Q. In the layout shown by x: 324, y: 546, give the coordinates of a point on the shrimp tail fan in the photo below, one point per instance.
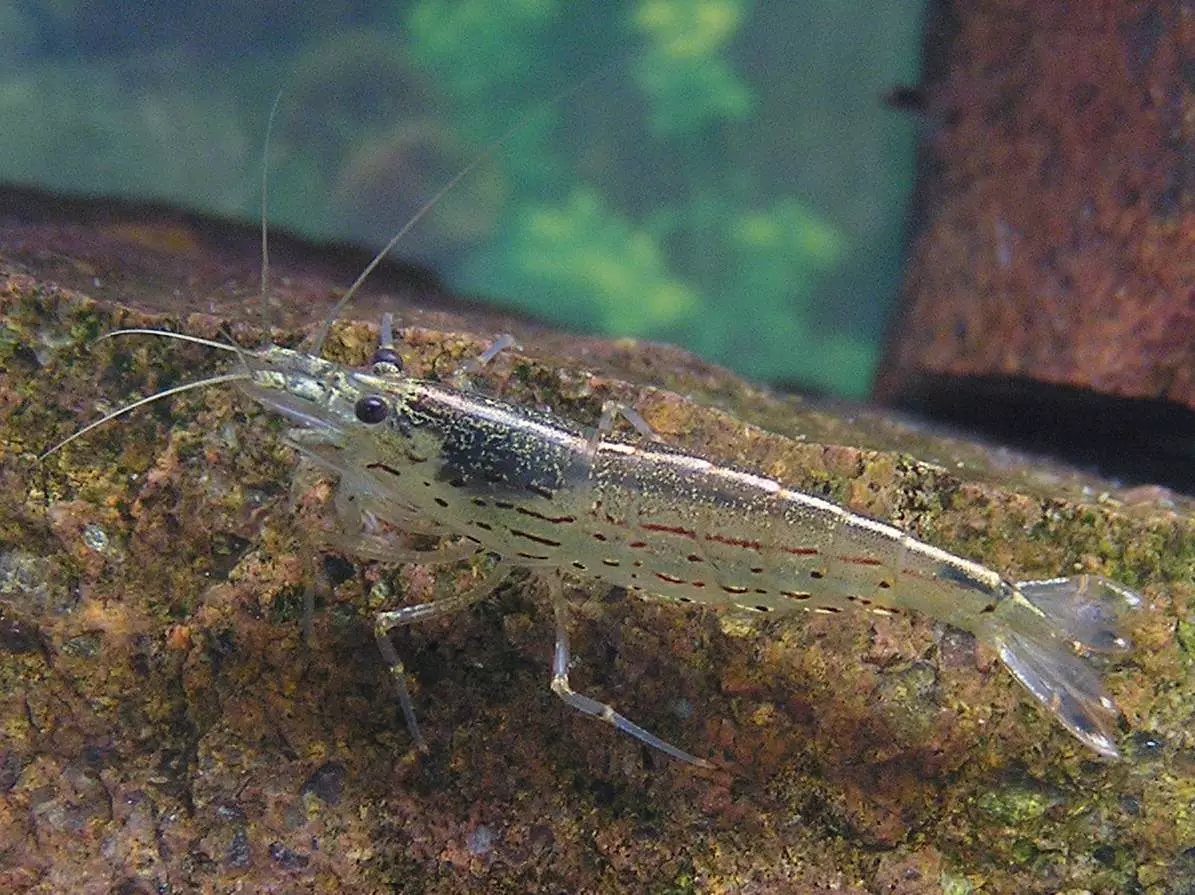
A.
x: 1046, y: 631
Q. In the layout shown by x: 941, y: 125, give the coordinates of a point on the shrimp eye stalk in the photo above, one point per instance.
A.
x: 371, y: 410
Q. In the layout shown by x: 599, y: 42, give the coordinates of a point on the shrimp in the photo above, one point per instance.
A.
x: 530, y: 489
x: 534, y: 490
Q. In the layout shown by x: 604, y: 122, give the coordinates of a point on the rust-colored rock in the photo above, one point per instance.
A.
x: 1055, y: 233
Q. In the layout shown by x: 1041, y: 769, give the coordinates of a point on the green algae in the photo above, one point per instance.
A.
x: 953, y: 884
x: 1016, y: 804
x: 1185, y: 632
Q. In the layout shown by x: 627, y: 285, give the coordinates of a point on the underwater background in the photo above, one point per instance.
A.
x: 723, y: 175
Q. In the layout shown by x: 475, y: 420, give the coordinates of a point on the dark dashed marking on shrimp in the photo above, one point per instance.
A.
x: 555, y: 520
x: 547, y: 542
x: 384, y: 468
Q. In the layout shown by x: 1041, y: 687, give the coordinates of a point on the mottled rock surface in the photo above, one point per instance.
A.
x: 164, y: 727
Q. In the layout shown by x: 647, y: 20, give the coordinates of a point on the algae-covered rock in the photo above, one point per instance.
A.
x: 166, y: 728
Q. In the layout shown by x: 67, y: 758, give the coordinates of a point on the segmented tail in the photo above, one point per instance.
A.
x: 1044, y: 632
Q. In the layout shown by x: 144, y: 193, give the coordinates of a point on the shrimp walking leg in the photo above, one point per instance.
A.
x: 461, y: 376
x: 611, y: 410
x: 384, y: 622
x: 588, y: 705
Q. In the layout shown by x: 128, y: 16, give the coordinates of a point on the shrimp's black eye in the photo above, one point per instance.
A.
x: 371, y: 409
x: 387, y: 355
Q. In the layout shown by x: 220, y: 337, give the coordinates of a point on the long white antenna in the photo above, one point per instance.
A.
x: 166, y: 334
x: 178, y: 389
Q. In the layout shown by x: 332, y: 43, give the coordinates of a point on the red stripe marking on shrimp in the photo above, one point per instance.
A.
x: 861, y: 560
x: 668, y: 529
x: 735, y: 542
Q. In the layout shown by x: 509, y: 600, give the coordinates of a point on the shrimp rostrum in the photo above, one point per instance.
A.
x: 532, y: 490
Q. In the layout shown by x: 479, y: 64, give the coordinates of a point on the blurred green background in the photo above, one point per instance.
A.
x: 725, y: 175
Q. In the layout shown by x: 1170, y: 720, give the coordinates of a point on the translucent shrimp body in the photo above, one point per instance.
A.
x: 539, y: 492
